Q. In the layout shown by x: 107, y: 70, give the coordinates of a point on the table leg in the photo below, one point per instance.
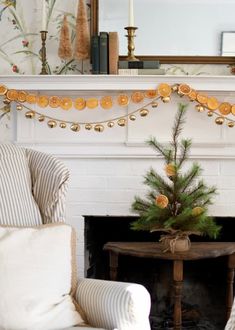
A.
x: 178, y: 283
x: 230, y: 280
x: 113, y: 265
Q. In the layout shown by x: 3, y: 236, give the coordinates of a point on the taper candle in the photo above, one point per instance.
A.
x: 131, y: 13
x: 44, y: 15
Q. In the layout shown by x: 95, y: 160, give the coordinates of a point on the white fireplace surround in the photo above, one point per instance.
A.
x: 107, y: 168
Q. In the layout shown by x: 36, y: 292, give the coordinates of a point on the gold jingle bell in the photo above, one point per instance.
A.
x: 75, y: 128
x: 41, y: 118
x: 63, y: 125
x: 110, y: 124
x: 19, y: 107
x: 166, y: 99
x: 132, y: 117
x: 99, y: 128
x: 6, y: 101
x: 219, y: 120
x: 209, y: 113
x: 30, y: 114
x: 154, y: 104
x: 175, y: 88
x: 231, y: 124
x: 7, y: 108
x: 88, y: 127
x: 144, y: 112
x: 122, y: 122
x: 199, y: 108
x: 52, y: 123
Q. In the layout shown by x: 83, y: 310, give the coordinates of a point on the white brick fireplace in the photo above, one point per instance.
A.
x: 107, y: 168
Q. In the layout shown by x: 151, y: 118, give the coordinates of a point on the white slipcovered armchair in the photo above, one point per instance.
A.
x: 108, y: 305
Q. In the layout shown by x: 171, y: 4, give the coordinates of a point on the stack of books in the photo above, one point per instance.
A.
x: 132, y: 68
x: 104, y: 53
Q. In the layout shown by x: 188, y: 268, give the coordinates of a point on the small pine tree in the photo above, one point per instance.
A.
x: 176, y: 204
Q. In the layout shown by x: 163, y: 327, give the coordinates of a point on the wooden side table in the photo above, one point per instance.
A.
x: 197, y: 251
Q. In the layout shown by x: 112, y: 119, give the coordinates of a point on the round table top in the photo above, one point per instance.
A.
x: 198, y: 250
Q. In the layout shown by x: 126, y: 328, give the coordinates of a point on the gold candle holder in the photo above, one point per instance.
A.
x: 43, y: 52
x: 131, y: 45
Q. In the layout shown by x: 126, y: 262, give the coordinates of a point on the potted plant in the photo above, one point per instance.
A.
x: 176, y: 204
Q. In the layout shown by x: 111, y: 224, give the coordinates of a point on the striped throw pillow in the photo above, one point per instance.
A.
x: 17, y: 205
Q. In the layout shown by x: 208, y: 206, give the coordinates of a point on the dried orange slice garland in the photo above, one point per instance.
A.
x: 163, y: 92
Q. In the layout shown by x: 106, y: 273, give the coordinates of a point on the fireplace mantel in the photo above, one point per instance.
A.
x: 113, y: 82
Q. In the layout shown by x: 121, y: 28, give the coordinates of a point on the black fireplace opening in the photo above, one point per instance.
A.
x: 204, y: 290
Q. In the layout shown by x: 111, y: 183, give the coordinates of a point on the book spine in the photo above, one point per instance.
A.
x: 138, y: 64
x: 95, y: 54
x: 104, y: 53
x: 151, y: 71
x: 113, y: 52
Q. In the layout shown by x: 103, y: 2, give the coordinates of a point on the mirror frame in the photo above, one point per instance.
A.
x: 229, y: 60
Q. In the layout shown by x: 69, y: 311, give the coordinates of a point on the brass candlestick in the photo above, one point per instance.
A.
x: 131, y: 45
x: 43, y: 52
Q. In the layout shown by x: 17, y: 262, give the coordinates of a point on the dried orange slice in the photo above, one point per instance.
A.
x: 43, y: 101
x: 66, y: 103
x: 233, y: 109
x: 12, y: 94
x: 151, y: 94
x: 22, y: 96
x: 192, y: 95
x: 225, y: 108
x: 212, y: 103
x: 202, y: 98
x: 54, y: 101
x: 3, y: 90
x: 79, y: 103
x: 137, y: 97
x: 31, y: 98
x: 164, y: 90
x: 123, y: 100
x: 106, y: 102
x: 184, y: 89
x: 92, y: 103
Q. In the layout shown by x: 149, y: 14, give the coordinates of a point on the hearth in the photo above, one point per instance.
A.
x: 203, y: 292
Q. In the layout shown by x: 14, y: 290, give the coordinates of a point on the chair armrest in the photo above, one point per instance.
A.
x: 114, y: 305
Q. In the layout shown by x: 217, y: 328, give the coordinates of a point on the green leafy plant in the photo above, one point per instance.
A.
x: 177, y: 203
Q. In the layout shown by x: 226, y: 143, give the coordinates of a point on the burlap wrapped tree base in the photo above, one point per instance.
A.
x: 175, y: 243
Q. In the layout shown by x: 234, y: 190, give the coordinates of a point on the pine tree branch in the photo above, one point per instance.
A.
x: 140, y: 205
x: 190, y: 176
x: 177, y: 128
x: 155, y: 181
x: 156, y: 145
x: 185, y: 147
x: 199, y: 186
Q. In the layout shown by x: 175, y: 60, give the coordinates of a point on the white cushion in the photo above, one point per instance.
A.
x: 37, y: 278
x: 17, y: 205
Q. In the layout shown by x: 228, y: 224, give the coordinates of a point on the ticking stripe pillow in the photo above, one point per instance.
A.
x: 17, y: 205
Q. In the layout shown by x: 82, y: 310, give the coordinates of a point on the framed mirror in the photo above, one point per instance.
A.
x: 182, y: 31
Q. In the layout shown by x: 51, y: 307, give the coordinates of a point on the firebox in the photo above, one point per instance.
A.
x: 204, y: 291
